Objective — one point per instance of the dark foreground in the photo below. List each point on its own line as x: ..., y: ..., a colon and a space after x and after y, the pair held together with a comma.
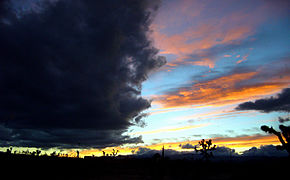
x: 23, y: 167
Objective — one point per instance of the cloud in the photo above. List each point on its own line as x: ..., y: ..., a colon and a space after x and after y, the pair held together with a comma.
x: 203, y: 43
x: 281, y: 102
x: 241, y: 141
x: 224, y: 151
x: 170, y: 129
x: 148, y: 152
x: 267, y: 150
x: 282, y: 120
x: 64, y: 138
x: 186, y: 146
x: 243, y: 59
x: 71, y: 74
x: 242, y: 83
x: 236, y: 87
x: 246, y: 140
x: 225, y: 145
x: 192, y: 30
x: 142, y: 151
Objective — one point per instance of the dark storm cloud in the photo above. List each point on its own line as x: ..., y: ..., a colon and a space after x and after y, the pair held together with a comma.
x: 268, y: 150
x: 63, y: 138
x: 279, y: 103
x: 71, y: 74
x: 224, y: 151
x: 282, y: 120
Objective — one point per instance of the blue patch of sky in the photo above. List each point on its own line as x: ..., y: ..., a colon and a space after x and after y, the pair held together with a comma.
x: 272, y: 43
x: 164, y: 81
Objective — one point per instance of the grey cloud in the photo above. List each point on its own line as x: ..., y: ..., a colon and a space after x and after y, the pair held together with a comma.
x: 268, y: 150
x: 279, y: 103
x: 71, y: 74
x: 186, y: 146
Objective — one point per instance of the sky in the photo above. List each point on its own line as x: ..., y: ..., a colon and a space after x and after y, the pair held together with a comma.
x: 97, y: 75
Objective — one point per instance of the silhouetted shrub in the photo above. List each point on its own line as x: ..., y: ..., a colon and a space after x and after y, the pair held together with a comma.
x: 9, y: 150
x: 53, y: 154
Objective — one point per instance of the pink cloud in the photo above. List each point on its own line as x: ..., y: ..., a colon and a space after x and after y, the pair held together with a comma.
x: 243, y: 59
x: 186, y: 28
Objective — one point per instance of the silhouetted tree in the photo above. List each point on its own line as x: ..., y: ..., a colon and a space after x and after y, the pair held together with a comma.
x: 53, y: 154
x: 285, y: 131
x: 114, y: 153
x: 206, y: 148
x: 104, y: 153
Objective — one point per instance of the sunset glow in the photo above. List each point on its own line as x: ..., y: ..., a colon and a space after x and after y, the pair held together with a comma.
x: 95, y: 76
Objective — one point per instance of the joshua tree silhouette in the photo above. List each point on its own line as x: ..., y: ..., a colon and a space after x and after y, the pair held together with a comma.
x: 115, y: 152
x: 285, y: 131
x: 205, y: 147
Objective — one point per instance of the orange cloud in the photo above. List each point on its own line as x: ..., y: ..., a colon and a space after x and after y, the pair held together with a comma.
x: 187, y: 27
x: 201, y: 37
x: 207, y: 36
x: 246, y: 141
x: 243, y: 59
x: 222, y: 91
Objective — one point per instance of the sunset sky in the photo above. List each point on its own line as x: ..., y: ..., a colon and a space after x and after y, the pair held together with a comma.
x: 219, y: 55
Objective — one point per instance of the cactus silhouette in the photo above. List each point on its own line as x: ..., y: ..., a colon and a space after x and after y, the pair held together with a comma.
x: 285, y: 131
x: 206, y: 148
x: 163, y: 152
x: 114, y: 153
x: 78, y: 154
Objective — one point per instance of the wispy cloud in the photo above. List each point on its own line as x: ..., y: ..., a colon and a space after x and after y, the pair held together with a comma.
x: 244, y: 58
x: 215, y: 114
x: 191, y: 30
x: 170, y: 129
x: 228, y: 89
